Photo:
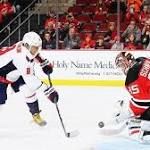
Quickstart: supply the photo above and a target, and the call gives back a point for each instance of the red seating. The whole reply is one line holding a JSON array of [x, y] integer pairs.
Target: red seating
[[83, 18], [81, 2], [96, 36], [89, 27], [123, 26], [112, 18], [82, 36], [89, 10], [62, 18], [139, 47], [140, 25], [103, 27], [76, 10], [99, 18], [92, 2]]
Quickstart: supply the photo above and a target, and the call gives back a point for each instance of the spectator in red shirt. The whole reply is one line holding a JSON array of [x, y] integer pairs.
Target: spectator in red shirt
[[108, 4], [50, 22], [70, 21], [136, 4], [111, 34], [51, 18], [131, 44], [6, 11], [132, 14], [88, 42], [1, 18], [1, 15], [7, 8], [101, 8], [51, 30], [144, 14]]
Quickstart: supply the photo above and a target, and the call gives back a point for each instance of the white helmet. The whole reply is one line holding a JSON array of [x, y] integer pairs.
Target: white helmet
[[32, 39]]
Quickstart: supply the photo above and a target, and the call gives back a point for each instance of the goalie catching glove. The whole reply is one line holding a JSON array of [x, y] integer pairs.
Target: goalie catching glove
[[45, 64], [52, 94]]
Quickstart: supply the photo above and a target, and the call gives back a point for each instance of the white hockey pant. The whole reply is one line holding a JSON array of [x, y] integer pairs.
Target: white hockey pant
[[30, 96]]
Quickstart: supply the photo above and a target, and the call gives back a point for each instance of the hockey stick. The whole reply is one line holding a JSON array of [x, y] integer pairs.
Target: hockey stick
[[67, 134], [113, 131]]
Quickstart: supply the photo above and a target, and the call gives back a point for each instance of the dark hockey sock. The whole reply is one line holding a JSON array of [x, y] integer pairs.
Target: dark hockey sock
[[33, 107]]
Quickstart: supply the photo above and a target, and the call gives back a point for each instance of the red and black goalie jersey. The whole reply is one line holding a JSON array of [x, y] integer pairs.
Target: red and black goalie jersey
[[138, 85]]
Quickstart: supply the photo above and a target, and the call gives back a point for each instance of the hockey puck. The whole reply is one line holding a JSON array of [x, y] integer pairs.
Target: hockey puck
[[101, 124]]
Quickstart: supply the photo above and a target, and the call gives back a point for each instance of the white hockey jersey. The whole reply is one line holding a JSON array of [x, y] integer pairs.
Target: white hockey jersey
[[14, 63]]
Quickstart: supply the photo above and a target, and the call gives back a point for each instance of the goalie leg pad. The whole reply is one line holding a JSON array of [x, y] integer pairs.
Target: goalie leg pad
[[134, 126], [145, 132]]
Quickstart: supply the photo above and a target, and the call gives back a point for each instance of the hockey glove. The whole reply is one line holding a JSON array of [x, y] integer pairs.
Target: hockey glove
[[45, 64], [47, 67], [52, 94]]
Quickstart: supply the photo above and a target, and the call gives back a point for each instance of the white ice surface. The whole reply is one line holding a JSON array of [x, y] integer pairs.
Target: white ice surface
[[81, 109]]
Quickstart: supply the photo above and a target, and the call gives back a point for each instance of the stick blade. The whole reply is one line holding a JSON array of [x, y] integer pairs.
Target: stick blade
[[74, 133], [109, 131]]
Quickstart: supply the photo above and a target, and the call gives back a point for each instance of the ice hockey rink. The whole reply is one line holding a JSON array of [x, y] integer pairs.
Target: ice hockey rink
[[81, 109]]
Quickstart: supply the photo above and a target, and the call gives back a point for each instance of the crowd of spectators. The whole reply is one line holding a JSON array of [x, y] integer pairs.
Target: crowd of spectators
[[92, 24]]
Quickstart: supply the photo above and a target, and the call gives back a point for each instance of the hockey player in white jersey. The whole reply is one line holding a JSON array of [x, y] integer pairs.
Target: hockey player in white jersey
[[17, 69]]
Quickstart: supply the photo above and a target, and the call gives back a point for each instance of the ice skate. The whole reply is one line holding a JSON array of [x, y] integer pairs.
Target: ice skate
[[38, 120]]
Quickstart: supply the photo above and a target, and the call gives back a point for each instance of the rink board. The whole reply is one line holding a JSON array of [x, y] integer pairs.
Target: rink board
[[95, 68]]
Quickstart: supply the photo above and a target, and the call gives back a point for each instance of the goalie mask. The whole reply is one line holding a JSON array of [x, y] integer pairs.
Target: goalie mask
[[124, 60], [32, 43]]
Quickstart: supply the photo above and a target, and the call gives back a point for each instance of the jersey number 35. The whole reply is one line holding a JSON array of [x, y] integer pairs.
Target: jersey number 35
[[133, 89]]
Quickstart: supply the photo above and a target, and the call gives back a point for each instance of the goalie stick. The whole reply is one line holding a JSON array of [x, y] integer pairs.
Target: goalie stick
[[67, 134], [113, 131], [116, 129]]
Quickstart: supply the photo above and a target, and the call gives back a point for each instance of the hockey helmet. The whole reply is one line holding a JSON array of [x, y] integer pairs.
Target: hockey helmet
[[124, 60], [31, 39]]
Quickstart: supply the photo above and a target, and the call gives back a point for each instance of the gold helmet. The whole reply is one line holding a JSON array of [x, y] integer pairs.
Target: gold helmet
[[124, 60]]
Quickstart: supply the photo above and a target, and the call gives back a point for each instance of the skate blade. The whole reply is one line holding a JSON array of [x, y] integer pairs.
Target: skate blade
[[42, 124]]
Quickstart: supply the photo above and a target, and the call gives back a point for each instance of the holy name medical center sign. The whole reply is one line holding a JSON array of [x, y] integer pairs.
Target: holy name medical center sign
[[83, 65]]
